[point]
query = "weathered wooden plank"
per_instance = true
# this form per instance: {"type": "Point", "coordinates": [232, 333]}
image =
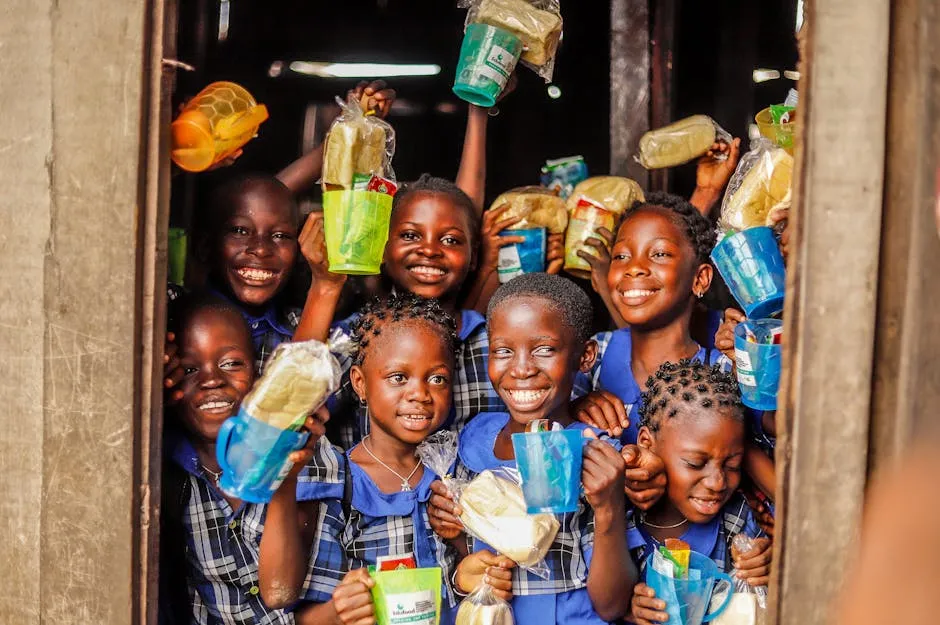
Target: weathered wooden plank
{"type": "Point", "coordinates": [662, 68]}
{"type": "Point", "coordinates": [830, 309]}
{"type": "Point", "coordinates": [629, 86]}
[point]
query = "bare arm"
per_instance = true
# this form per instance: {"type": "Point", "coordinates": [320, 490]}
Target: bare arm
{"type": "Point", "coordinates": [760, 467]}
{"type": "Point", "coordinates": [325, 287]}
{"type": "Point", "coordinates": [282, 560]}
{"type": "Point", "coordinates": [316, 614]}
{"type": "Point", "coordinates": [471, 177]}
{"type": "Point", "coordinates": [304, 172]}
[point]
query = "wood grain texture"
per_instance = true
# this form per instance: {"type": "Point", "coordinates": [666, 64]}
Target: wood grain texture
{"type": "Point", "coordinates": [629, 86]}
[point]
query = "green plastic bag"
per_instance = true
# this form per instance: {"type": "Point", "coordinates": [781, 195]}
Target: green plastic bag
{"type": "Point", "coordinates": [407, 597]}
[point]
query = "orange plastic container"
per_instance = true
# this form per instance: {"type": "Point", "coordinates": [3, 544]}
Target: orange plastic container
{"type": "Point", "coordinates": [214, 125]}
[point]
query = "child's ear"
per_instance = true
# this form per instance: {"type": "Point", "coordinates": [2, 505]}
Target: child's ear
{"type": "Point", "coordinates": [358, 382]}
{"type": "Point", "coordinates": [703, 280]}
{"type": "Point", "coordinates": [588, 356]}
{"type": "Point", "coordinates": [645, 439]}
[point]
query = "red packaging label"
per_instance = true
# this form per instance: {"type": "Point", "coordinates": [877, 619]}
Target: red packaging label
{"type": "Point", "coordinates": [396, 563]}
{"type": "Point", "coordinates": [382, 185]}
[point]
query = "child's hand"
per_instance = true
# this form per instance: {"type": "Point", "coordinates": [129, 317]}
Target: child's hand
{"type": "Point", "coordinates": [484, 567]}
{"type": "Point", "coordinates": [724, 337]}
{"type": "Point", "coordinates": [315, 425]}
{"type": "Point", "coordinates": [374, 96]}
{"type": "Point", "coordinates": [646, 608]}
{"type": "Point", "coordinates": [172, 371]}
{"type": "Point", "coordinates": [555, 253]}
{"type": "Point", "coordinates": [754, 566]}
{"type": "Point", "coordinates": [645, 476]}
{"type": "Point", "coordinates": [602, 474]}
{"type": "Point", "coordinates": [712, 175]}
{"type": "Point", "coordinates": [602, 410]}
{"type": "Point", "coordinates": [491, 241]}
{"type": "Point", "coordinates": [779, 219]}
{"type": "Point", "coordinates": [443, 513]}
{"type": "Point", "coordinates": [352, 599]}
{"type": "Point", "coordinates": [600, 260]}
{"type": "Point", "coordinates": [313, 246]}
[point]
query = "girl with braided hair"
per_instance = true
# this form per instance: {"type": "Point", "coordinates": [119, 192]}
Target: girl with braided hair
{"type": "Point", "coordinates": [693, 419]}
{"type": "Point", "coordinates": [377, 504]}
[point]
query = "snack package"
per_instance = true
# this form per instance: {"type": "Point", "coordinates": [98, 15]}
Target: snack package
{"type": "Point", "coordinates": [562, 175]}
{"type": "Point", "coordinates": [494, 510]}
{"type": "Point", "coordinates": [358, 147]}
{"type": "Point", "coordinates": [483, 607]}
{"type": "Point", "coordinates": [611, 193]}
{"type": "Point", "coordinates": [536, 206]}
{"type": "Point", "coordinates": [537, 23]}
{"type": "Point", "coordinates": [297, 380]}
{"type": "Point", "coordinates": [407, 596]}
{"type": "Point", "coordinates": [760, 183]}
{"type": "Point", "coordinates": [748, 604]}
{"type": "Point", "coordinates": [680, 142]}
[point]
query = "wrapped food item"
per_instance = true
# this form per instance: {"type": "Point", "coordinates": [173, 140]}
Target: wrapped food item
{"type": "Point", "coordinates": [253, 447]}
{"type": "Point", "coordinates": [760, 183]}
{"type": "Point", "coordinates": [537, 23]}
{"type": "Point", "coordinates": [586, 219]}
{"type": "Point", "coordinates": [483, 607]}
{"type": "Point", "coordinates": [562, 175]}
{"type": "Point", "coordinates": [358, 147]}
{"type": "Point", "coordinates": [536, 206]}
{"type": "Point", "coordinates": [679, 552]}
{"type": "Point", "coordinates": [611, 193]}
{"type": "Point", "coordinates": [748, 604]}
{"type": "Point", "coordinates": [407, 596]}
{"type": "Point", "coordinates": [680, 142]}
{"type": "Point", "coordinates": [494, 509]}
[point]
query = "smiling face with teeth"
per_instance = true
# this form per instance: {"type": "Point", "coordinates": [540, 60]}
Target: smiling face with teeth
{"type": "Point", "coordinates": [405, 379]}
{"type": "Point", "coordinates": [216, 357]}
{"type": "Point", "coordinates": [430, 246]}
{"type": "Point", "coordinates": [703, 450]}
{"type": "Point", "coordinates": [258, 244]}
{"type": "Point", "coordinates": [534, 357]}
{"type": "Point", "coordinates": [654, 272]}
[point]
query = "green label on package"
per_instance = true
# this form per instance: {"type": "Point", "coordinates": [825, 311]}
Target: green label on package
{"type": "Point", "coordinates": [413, 608]}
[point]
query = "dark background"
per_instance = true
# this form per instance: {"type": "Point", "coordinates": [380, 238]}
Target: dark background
{"type": "Point", "coordinates": [718, 45]}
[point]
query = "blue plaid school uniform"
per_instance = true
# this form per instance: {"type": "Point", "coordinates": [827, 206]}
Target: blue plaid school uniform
{"type": "Point", "coordinates": [222, 546]}
{"type": "Point", "coordinates": [379, 524]}
{"type": "Point", "coordinates": [472, 391]}
{"type": "Point", "coordinates": [612, 372]}
{"type": "Point", "coordinates": [563, 597]}
{"type": "Point", "coordinates": [712, 539]}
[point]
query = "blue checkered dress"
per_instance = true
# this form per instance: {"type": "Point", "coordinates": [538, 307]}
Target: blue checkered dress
{"type": "Point", "coordinates": [472, 391]}
{"type": "Point", "coordinates": [222, 547]}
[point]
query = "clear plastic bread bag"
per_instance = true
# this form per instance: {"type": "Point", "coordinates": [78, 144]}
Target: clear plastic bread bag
{"type": "Point", "coordinates": [483, 607]}
{"type": "Point", "coordinates": [494, 509]}
{"type": "Point", "coordinates": [748, 605]}
{"type": "Point", "coordinates": [760, 183]}
{"type": "Point", "coordinates": [358, 146]}
{"type": "Point", "coordinates": [538, 23]}
{"type": "Point", "coordinates": [297, 379]}
{"type": "Point", "coordinates": [681, 142]}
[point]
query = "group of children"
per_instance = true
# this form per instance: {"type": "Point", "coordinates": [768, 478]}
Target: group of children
{"type": "Point", "coordinates": [671, 445]}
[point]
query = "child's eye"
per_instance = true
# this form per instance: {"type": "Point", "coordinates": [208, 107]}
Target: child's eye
{"type": "Point", "coordinates": [544, 350]}
{"type": "Point", "coordinates": [502, 352]}
{"type": "Point", "coordinates": [438, 380]}
{"type": "Point", "coordinates": [282, 235]}
{"type": "Point", "coordinates": [450, 240]}
{"type": "Point", "coordinates": [698, 466]}
{"type": "Point", "coordinates": [397, 378]}
{"type": "Point", "coordinates": [232, 365]}
{"type": "Point", "coordinates": [619, 257]}
{"type": "Point", "coordinates": [188, 371]}
{"type": "Point", "coordinates": [662, 254]}
{"type": "Point", "coordinates": [238, 230]}
{"type": "Point", "coordinates": [409, 235]}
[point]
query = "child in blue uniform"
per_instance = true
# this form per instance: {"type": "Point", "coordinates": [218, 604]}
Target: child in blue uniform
{"type": "Point", "coordinates": [539, 338]}
{"type": "Point", "coordinates": [693, 419]}
{"type": "Point", "coordinates": [402, 373]}
{"type": "Point", "coordinates": [209, 546]}
{"type": "Point", "coordinates": [659, 268]}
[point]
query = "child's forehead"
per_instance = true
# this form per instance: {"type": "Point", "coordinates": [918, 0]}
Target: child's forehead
{"type": "Point", "coordinates": [209, 326]}
{"type": "Point", "coordinates": [695, 425]}
{"type": "Point", "coordinates": [527, 310]}
{"type": "Point", "coordinates": [431, 207]}
{"type": "Point", "coordinates": [649, 220]}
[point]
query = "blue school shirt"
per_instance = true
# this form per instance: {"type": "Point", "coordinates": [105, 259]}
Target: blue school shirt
{"type": "Point", "coordinates": [379, 524]}
{"type": "Point", "coordinates": [222, 546]}
{"type": "Point", "coordinates": [563, 598]}
{"type": "Point", "coordinates": [612, 372]}
{"type": "Point", "coordinates": [472, 391]}
{"type": "Point", "coordinates": [712, 539]}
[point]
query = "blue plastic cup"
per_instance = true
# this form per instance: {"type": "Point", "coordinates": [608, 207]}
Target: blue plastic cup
{"type": "Point", "coordinates": [520, 258]}
{"type": "Point", "coordinates": [758, 363]}
{"type": "Point", "coordinates": [550, 466]}
{"type": "Point", "coordinates": [253, 457]}
{"type": "Point", "coordinates": [752, 266]}
{"type": "Point", "coordinates": [687, 600]}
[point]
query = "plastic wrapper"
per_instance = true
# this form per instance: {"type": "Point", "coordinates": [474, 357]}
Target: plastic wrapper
{"type": "Point", "coordinates": [407, 596]}
{"type": "Point", "coordinates": [760, 183]}
{"type": "Point", "coordinates": [562, 175]}
{"type": "Point", "coordinates": [494, 509]}
{"type": "Point", "coordinates": [358, 147]}
{"type": "Point", "coordinates": [297, 380]}
{"type": "Point", "coordinates": [612, 193]}
{"type": "Point", "coordinates": [536, 206]}
{"type": "Point", "coordinates": [537, 23]}
{"type": "Point", "coordinates": [483, 607]}
{"type": "Point", "coordinates": [680, 142]}
{"type": "Point", "coordinates": [748, 605]}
